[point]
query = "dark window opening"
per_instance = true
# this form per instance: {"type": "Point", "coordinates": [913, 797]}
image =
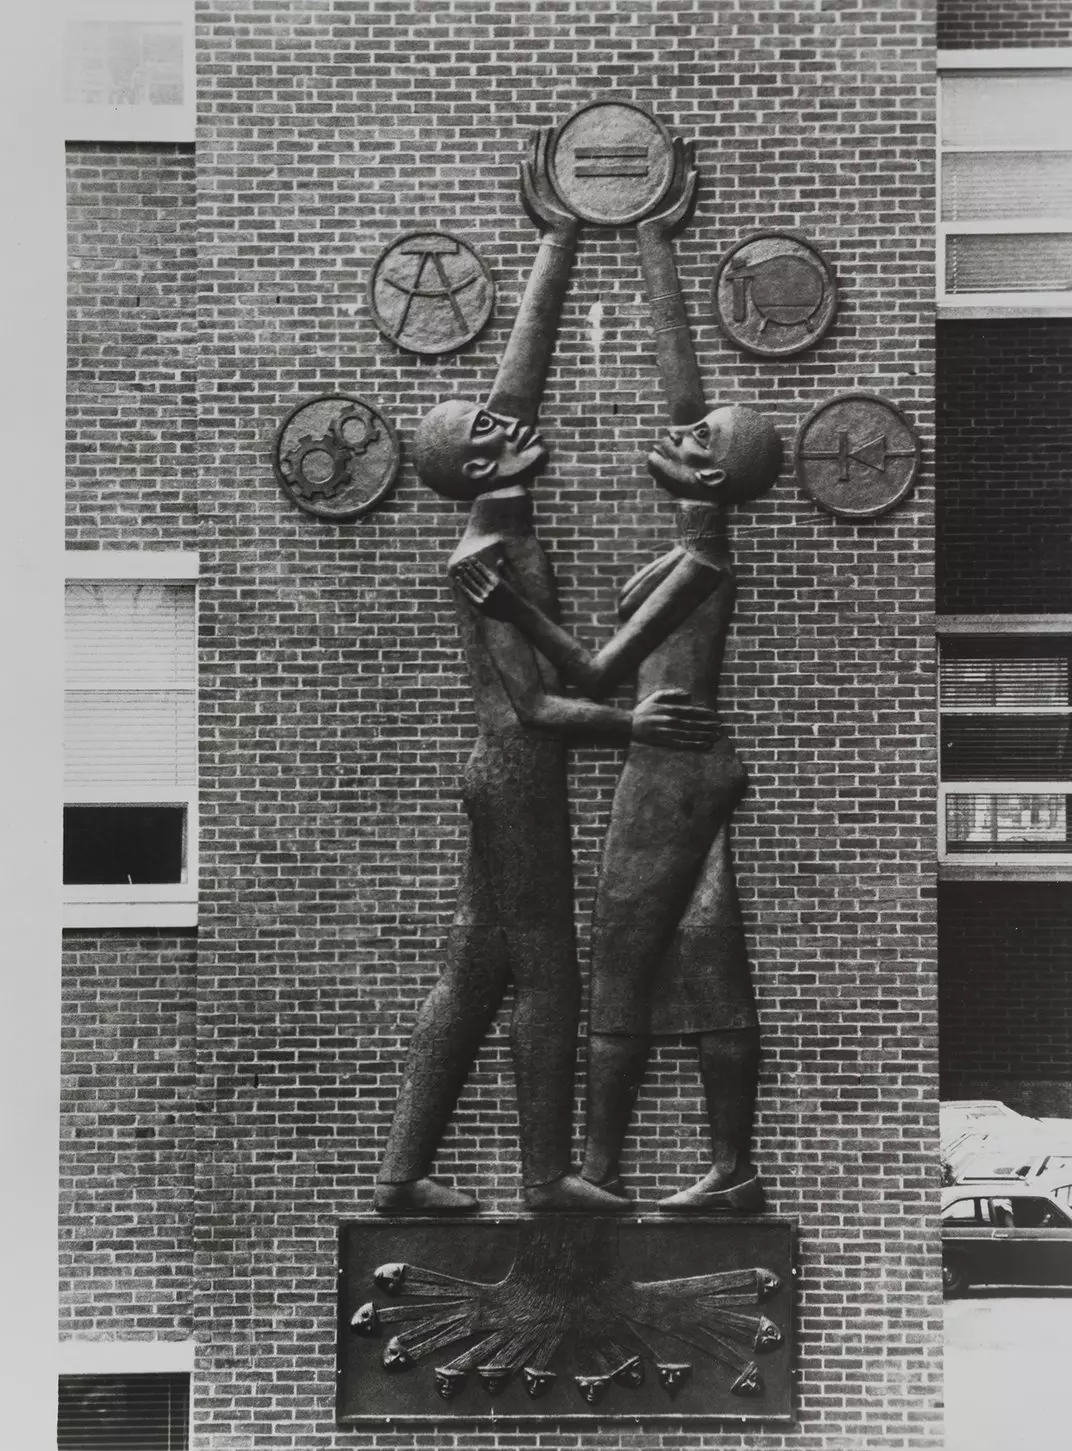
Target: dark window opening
{"type": "Point", "coordinates": [117, 845]}
{"type": "Point", "coordinates": [123, 1413]}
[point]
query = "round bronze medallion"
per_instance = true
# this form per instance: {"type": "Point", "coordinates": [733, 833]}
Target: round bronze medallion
{"type": "Point", "coordinates": [611, 162]}
{"type": "Point", "coordinates": [430, 293]}
{"type": "Point", "coordinates": [857, 455]}
{"type": "Point", "coordinates": [775, 294]}
{"type": "Point", "coordinates": [336, 456]}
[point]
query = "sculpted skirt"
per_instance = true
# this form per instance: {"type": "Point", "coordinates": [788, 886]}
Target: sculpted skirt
{"type": "Point", "coordinates": [668, 945]}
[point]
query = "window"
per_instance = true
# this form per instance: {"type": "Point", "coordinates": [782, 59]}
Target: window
{"type": "Point", "coordinates": [128, 71]}
{"type": "Point", "coordinates": [1005, 183]}
{"type": "Point", "coordinates": [123, 1413]}
{"type": "Point", "coordinates": [1005, 703]}
{"type": "Point", "coordinates": [961, 1211]}
{"type": "Point", "coordinates": [130, 740]}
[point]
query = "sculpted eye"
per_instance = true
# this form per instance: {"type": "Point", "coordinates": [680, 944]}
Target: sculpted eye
{"type": "Point", "coordinates": [701, 433]}
{"type": "Point", "coordinates": [483, 423]}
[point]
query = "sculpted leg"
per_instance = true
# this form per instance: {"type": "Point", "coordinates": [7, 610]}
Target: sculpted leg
{"type": "Point", "coordinates": [729, 1067]}
{"type": "Point", "coordinates": [521, 827]}
{"type": "Point", "coordinates": [615, 1067]}
{"type": "Point", "coordinates": [449, 1030]}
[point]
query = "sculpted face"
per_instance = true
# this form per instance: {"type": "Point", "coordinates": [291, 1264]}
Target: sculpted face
{"type": "Point", "coordinates": [730, 455]}
{"type": "Point", "coordinates": [464, 450]}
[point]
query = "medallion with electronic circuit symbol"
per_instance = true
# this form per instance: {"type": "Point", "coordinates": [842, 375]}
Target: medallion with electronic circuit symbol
{"type": "Point", "coordinates": [857, 455]}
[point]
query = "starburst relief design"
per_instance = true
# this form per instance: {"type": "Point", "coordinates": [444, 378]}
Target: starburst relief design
{"type": "Point", "coordinates": [567, 1309]}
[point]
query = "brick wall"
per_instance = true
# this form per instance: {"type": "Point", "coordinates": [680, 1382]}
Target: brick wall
{"type": "Point", "coordinates": [131, 367]}
{"type": "Point", "coordinates": [128, 1055]}
{"type": "Point", "coordinates": [126, 1171]}
{"type": "Point", "coordinates": [967, 24]}
{"type": "Point", "coordinates": [1006, 993]}
{"type": "Point", "coordinates": [1004, 437]}
{"type": "Point", "coordinates": [335, 717]}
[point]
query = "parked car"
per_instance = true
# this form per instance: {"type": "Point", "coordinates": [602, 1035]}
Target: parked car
{"type": "Point", "coordinates": [1013, 1164]}
{"type": "Point", "coordinates": [1005, 1233]}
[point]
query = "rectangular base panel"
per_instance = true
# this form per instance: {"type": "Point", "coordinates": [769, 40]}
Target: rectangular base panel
{"type": "Point", "coordinates": [565, 1317]}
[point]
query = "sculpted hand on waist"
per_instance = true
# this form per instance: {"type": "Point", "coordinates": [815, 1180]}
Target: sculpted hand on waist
{"type": "Point", "coordinates": [667, 718]}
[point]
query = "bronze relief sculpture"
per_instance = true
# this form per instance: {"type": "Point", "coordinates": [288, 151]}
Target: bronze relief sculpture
{"type": "Point", "coordinates": [514, 919]}
{"type": "Point", "coordinates": [668, 947]}
{"type": "Point", "coordinates": [526, 1307]}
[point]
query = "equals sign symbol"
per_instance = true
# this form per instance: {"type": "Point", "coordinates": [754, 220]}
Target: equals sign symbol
{"type": "Point", "coordinates": [611, 161]}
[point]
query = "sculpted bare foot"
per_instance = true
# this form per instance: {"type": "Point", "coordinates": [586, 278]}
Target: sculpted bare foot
{"type": "Point", "coordinates": [571, 1192]}
{"type": "Point", "coordinates": [422, 1196]}
{"type": "Point", "coordinates": [740, 1192]}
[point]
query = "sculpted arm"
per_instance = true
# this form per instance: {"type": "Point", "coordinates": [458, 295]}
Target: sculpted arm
{"type": "Point", "coordinates": [518, 386]}
{"type": "Point", "coordinates": [690, 582]}
{"type": "Point", "coordinates": [664, 718]}
{"type": "Point", "coordinates": [678, 367]}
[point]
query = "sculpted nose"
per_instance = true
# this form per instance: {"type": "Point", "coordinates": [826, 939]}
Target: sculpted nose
{"type": "Point", "coordinates": [676, 436]}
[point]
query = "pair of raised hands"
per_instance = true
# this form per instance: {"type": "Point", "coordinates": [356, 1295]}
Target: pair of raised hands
{"type": "Point", "coordinates": [540, 199]}
{"type": "Point", "coordinates": [664, 718]}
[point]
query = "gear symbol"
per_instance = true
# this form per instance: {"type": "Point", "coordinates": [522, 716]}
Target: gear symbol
{"type": "Point", "coordinates": [333, 445]}
{"type": "Point", "coordinates": [368, 437]}
{"type": "Point", "coordinates": [293, 463]}
{"type": "Point", "coordinates": [335, 456]}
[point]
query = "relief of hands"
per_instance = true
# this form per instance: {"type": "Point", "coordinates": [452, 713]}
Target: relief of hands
{"type": "Point", "coordinates": [665, 718]}
{"type": "Point", "coordinates": [538, 196]}
{"type": "Point", "coordinates": [679, 201]}
{"type": "Point", "coordinates": [485, 588]}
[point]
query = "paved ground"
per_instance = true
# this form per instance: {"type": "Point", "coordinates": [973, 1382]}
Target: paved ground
{"type": "Point", "coordinates": [1008, 1372]}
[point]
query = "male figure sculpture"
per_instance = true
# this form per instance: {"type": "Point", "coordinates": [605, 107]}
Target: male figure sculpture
{"type": "Point", "coordinates": [668, 946]}
{"type": "Point", "coordinates": [514, 918]}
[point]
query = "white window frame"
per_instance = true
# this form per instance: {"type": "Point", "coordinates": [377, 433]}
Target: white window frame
{"type": "Point", "coordinates": [148, 904]}
{"type": "Point", "coordinates": [175, 124]}
{"type": "Point", "coordinates": [998, 865]}
{"type": "Point", "coordinates": [996, 304]}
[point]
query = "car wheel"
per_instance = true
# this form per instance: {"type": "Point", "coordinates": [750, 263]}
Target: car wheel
{"type": "Point", "coordinates": [954, 1276]}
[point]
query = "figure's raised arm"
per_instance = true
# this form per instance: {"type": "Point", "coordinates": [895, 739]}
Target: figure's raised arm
{"type": "Point", "coordinates": [678, 368]}
{"type": "Point", "coordinates": [519, 384]}
{"type": "Point", "coordinates": [690, 581]}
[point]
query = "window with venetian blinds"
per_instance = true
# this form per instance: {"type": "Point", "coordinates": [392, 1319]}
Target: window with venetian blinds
{"type": "Point", "coordinates": [1006, 184]}
{"type": "Point", "coordinates": [130, 736]}
{"type": "Point", "coordinates": [1006, 749]}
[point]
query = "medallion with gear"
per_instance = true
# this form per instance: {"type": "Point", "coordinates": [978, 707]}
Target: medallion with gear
{"type": "Point", "coordinates": [336, 456]}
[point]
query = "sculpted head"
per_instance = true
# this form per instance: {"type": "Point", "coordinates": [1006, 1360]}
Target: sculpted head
{"type": "Point", "coordinates": [462, 450]}
{"type": "Point", "coordinates": [731, 455]}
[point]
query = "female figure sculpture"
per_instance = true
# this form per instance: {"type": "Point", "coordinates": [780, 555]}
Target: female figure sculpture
{"type": "Point", "coordinates": [668, 946]}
